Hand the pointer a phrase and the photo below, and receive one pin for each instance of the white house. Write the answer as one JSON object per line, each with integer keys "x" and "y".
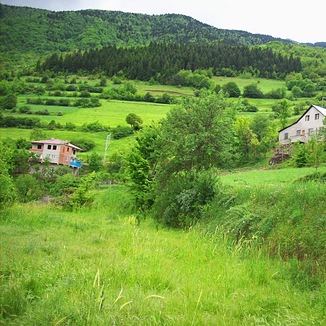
{"x": 307, "y": 125}
{"x": 57, "y": 151}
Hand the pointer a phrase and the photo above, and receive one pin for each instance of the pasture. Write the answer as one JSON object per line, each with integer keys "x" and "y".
{"x": 111, "y": 113}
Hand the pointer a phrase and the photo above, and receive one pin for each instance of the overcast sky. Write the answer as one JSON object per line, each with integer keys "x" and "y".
{"x": 302, "y": 21}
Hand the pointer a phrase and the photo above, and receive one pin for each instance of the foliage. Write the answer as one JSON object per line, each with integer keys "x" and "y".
{"x": 61, "y": 31}
{"x": 197, "y": 134}
{"x": 316, "y": 149}
{"x": 316, "y": 176}
{"x": 38, "y": 134}
{"x": 252, "y": 91}
{"x": 285, "y": 215}
{"x": 7, "y": 189}
{"x": 86, "y": 144}
{"x": 180, "y": 203}
{"x": 28, "y": 187}
{"x": 94, "y": 162}
{"x": 134, "y": 121}
{"x": 166, "y": 62}
{"x": 9, "y": 102}
{"x": 141, "y": 167}
{"x": 16, "y": 158}
{"x": 282, "y": 112}
{"x": 121, "y": 132}
{"x": 82, "y": 196}
{"x": 232, "y": 89}
{"x": 248, "y": 143}
{"x": 301, "y": 155}
{"x": 65, "y": 185}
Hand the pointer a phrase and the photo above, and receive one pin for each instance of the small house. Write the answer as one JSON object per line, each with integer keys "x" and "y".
{"x": 307, "y": 125}
{"x": 57, "y": 151}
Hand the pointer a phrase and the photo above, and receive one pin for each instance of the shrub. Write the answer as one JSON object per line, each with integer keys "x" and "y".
{"x": 121, "y": 132}
{"x": 25, "y": 109}
{"x": 28, "y": 188}
{"x": 181, "y": 202}
{"x": 85, "y": 144}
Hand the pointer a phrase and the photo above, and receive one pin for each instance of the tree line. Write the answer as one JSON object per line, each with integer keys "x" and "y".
{"x": 163, "y": 61}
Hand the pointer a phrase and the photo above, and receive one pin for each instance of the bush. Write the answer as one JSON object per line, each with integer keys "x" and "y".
{"x": 28, "y": 188}
{"x": 25, "y": 109}
{"x": 121, "y": 132}
{"x": 85, "y": 144}
{"x": 181, "y": 202}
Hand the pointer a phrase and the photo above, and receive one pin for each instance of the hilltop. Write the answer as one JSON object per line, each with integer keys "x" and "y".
{"x": 25, "y": 29}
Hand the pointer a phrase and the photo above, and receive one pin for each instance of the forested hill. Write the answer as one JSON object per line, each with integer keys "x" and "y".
{"x": 24, "y": 29}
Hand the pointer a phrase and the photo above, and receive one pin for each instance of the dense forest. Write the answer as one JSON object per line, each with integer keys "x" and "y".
{"x": 163, "y": 61}
{"x": 25, "y": 29}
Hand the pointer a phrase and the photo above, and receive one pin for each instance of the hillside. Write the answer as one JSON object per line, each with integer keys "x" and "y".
{"x": 26, "y": 29}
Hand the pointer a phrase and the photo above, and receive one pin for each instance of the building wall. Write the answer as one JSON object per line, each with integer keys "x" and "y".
{"x": 302, "y": 130}
{"x": 56, "y": 153}
{"x": 66, "y": 153}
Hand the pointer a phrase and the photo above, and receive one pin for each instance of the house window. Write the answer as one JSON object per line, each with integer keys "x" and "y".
{"x": 316, "y": 116}
{"x": 307, "y": 117}
{"x": 49, "y": 146}
{"x": 310, "y": 131}
{"x": 39, "y": 146}
{"x": 286, "y": 135}
{"x": 298, "y": 132}
{"x": 67, "y": 149}
{"x": 54, "y": 147}
{"x": 303, "y": 132}
{"x": 74, "y": 152}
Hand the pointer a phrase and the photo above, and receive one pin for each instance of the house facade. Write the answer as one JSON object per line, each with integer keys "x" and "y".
{"x": 303, "y": 129}
{"x": 57, "y": 152}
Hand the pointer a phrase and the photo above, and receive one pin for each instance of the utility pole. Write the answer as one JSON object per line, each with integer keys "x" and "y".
{"x": 322, "y": 100}
{"x": 108, "y": 137}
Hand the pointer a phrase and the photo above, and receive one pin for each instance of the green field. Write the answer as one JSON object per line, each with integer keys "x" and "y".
{"x": 111, "y": 113}
{"x": 265, "y": 85}
{"x": 99, "y": 267}
{"x": 267, "y": 177}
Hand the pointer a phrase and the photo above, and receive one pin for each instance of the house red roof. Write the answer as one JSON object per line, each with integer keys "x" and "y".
{"x": 54, "y": 141}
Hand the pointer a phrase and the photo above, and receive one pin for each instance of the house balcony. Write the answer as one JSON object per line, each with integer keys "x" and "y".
{"x": 299, "y": 138}
{"x": 76, "y": 163}
{"x": 295, "y": 139}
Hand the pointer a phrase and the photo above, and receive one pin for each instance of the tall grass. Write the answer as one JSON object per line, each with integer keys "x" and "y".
{"x": 99, "y": 266}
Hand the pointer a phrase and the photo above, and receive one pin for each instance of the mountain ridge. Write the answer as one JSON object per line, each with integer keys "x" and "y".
{"x": 26, "y": 29}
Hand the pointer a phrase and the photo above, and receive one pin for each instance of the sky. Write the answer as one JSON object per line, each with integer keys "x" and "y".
{"x": 301, "y": 21}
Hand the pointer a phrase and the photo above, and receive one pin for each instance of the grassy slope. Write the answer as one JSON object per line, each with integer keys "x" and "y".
{"x": 98, "y": 267}
{"x": 261, "y": 178}
{"x": 99, "y": 138}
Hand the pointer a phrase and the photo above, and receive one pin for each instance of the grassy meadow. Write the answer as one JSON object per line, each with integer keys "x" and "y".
{"x": 98, "y": 266}
{"x": 111, "y": 113}
{"x": 106, "y": 265}
{"x": 263, "y": 177}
